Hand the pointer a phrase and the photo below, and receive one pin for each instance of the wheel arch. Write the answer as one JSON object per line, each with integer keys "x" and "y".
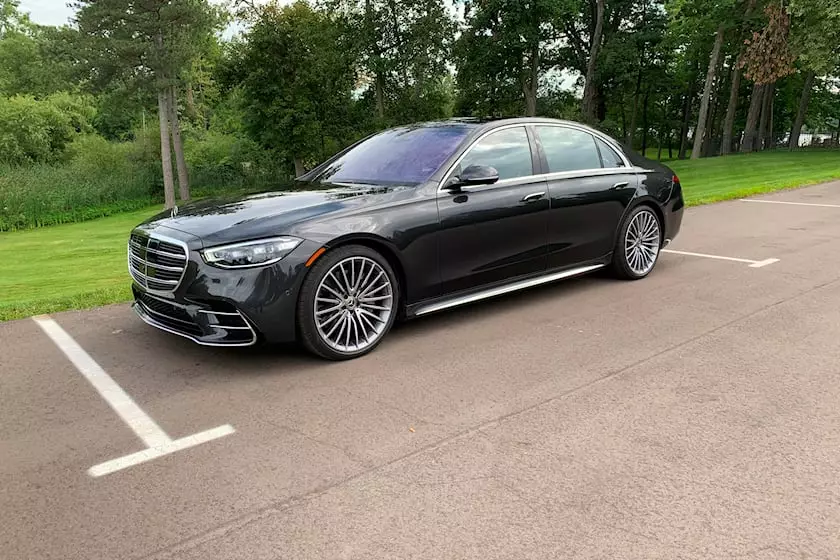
{"x": 384, "y": 248}
{"x": 651, "y": 203}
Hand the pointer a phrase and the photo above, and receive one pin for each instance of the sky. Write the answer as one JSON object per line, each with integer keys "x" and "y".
{"x": 47, "y": 12}
{"x": 57, "y": 12}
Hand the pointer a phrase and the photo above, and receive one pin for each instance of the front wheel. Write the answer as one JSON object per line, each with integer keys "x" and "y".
{"x": 637, "y": 248}
{"x": 348, "y": 303}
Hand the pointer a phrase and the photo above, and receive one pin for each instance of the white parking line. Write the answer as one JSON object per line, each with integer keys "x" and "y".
{"x": 753, "y": 264}
{"x": 790, "y": 203}
{"x": 157, "y": 441}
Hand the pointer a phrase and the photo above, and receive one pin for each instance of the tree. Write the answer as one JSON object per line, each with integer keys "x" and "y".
{"x": 151, "y": 42}
{"x": 815, "y": 34}
{"x": 297, "y": 77}
{"x": 507, "y": 48}
{"x": 589, "y": 108}
{"x": 711, "y": 75}
{"x": 766, "y": 59}
{"x": 403, "y": 47}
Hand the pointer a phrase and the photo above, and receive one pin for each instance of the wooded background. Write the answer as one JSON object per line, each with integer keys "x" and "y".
{"x": 139, "y": 99}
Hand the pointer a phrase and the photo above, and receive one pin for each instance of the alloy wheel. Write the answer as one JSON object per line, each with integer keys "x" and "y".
{"x": 353, "y": 304}
{"x": 641, "y": 243}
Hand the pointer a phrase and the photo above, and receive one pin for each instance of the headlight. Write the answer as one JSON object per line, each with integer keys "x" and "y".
{"x": 251, "y": 253}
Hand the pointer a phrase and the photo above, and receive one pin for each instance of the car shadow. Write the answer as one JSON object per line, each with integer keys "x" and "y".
{"x": 291, "y": 358}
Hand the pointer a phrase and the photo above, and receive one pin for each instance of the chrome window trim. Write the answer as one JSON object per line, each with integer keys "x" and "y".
{"x": 165, "y": 239}
{"x": 594, "y": 133}
{"x": 628, "y": 168}
{"x": 502, "y": 183}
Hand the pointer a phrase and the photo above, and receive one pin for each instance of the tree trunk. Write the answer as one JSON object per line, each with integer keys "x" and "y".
{"x": 670, "y": 145}
{"x": 707, "y": 93}
{"x": 380, "y": 97}
{"x": 729, "y": 122}
{"x": 748, "y": 143}
{"x": 766, "y": 102}
{"x": 177, "y": 144}
{"x": 299, "y": 168}
{"x": 165, "y": 149}
{"x": 645, "y": 126}
{"x": 623, "y": 121}
{"x": 589, "y": 90}
{"x": 190, "y": 100}
{"x": 631, "y": 132}
{"x": 713, "y": 127}
{"x": 804, "y": 100}
{"x": 531, "y": 82}
{"x": 686, "y": 118}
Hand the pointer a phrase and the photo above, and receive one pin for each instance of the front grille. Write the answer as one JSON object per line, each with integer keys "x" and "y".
{"x": 169, "y": 315}
{"x": 156, "y": 264}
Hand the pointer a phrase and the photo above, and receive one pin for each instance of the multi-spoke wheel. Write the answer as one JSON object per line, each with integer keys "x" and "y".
{"x": 348, "y": 303}
{"x": 638, "y": 245}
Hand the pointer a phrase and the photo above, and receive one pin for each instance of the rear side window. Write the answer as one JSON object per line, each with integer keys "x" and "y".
{"x": 568, "y": 149}
{"x": 608, "y": 155}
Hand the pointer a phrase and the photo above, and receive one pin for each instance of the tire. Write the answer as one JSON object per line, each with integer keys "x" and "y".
{"x": 348, "y": 303}
{"x": 638, "y": 246}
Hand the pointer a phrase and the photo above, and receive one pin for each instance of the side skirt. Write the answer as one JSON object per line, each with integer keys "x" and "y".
{"x": 493, "y": 291}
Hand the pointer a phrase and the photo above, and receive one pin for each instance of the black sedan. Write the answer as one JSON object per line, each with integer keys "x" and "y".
{"x": 409, "y": 221}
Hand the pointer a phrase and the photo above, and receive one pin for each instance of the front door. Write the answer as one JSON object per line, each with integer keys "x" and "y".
{"x": 495, "y": 232}
{"x": 590, "y": 186}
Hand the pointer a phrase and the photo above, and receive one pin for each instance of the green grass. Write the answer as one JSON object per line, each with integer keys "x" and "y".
{"x": 72, "y": 266}
{"x": 83, "y": 265}
{"x": 737, "y": 176}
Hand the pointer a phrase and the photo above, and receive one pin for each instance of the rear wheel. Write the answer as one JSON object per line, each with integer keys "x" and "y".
{"x": 637, "y": 248}
{"x": 348, "y": 303}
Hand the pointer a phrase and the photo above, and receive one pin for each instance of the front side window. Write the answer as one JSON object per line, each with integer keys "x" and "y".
{"x": 401, "y": 156}
{"x": 508, "y": 151}
{"x": 568, "y": 149}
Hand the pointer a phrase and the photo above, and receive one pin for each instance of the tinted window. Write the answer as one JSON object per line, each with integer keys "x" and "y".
{"x": 568, "y": 149}
{"x": 608, "y": 155}
{"x": 508, "y": 151}
{"x": 406, "y": 155}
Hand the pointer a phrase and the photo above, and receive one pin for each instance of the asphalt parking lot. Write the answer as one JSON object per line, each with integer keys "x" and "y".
{"x": 695, "y": 414}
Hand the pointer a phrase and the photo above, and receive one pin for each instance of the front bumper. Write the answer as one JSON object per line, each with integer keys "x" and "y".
{"x": 226, "y": 307}
{"x": 198, "y": 323}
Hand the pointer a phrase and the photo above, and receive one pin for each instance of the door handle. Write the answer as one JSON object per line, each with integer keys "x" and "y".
{"x": 621, "y": 185}
{"x": 533, "y": 197}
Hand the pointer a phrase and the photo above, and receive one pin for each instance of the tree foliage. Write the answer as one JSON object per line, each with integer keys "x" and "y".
{"x": 297, "y": 74}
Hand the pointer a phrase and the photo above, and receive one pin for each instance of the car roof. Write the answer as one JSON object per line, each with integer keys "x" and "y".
{"x": 486, "y": 123}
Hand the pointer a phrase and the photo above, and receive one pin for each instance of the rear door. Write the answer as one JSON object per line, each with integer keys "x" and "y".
{"x": 590, "y": 186}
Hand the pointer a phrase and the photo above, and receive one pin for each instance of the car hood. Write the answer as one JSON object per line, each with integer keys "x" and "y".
{"x": 274, "y": 213}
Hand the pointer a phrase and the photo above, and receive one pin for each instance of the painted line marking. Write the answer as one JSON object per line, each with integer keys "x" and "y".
{"x": 753, "y": 264}
{"x": 120, "y": 463}
{"x": 791, "y": 203}
{"x": 144, "y": 427}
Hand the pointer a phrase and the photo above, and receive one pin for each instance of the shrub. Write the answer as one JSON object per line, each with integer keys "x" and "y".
{"x": 33, "y": 130}
{"x": 229, "y": 162}
{"x": 98, "y": 178}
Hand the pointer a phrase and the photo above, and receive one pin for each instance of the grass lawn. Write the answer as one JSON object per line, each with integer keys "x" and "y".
{"x": 70, "y": 266}
{"x": 83, "y": 265}
{"x": 737, "y": 176}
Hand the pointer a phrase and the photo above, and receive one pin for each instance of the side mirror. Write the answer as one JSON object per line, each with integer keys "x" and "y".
{"x": 474, "y": 175}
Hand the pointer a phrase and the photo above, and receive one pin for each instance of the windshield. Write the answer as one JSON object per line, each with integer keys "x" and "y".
{"x": 404, "y": 156}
